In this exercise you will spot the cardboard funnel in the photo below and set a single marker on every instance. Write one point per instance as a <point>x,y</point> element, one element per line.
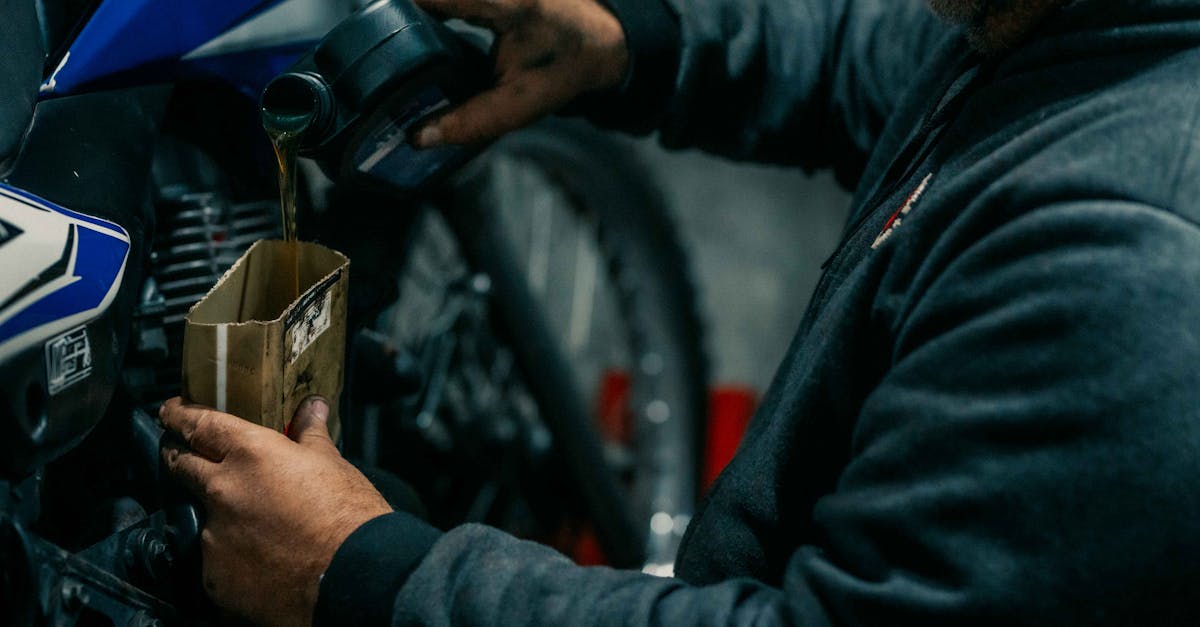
<point>252,350</point>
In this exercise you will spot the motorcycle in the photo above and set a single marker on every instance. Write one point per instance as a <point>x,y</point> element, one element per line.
<point>524,348</point>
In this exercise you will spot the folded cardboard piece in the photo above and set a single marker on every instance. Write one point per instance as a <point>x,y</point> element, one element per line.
<point>252,350</point>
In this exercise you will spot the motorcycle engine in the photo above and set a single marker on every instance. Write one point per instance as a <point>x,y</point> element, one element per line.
<point>201,232</point>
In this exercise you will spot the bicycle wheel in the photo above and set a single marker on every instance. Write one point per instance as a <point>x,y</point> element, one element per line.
<point>565,216</point>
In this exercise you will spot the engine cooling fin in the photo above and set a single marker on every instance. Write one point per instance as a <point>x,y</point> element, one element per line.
<point>200,235</point>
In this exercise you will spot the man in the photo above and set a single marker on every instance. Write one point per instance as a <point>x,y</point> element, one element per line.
<point>991,411</point>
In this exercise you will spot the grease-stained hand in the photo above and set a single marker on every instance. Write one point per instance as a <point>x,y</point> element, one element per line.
<point>547,53</point>
<point>277,508</point>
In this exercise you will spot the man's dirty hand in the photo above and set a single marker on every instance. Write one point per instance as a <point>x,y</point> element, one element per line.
<point>547,53</point>
<point>277,507</point>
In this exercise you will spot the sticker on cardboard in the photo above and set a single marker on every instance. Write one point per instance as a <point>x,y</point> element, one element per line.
<point>311,317</point>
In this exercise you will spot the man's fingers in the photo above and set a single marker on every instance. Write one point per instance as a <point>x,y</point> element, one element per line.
<point>206,431</point>
<point>192,470</point>
<point>310,426</point>
<point>507,107</point>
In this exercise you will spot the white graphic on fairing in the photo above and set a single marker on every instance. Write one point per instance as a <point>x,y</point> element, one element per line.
<point>40,258</point>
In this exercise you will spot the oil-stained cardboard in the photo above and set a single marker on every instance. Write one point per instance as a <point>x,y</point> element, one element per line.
<point>251,350</point>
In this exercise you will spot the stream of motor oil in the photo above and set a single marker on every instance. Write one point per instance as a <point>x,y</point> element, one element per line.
<point>285,132</point>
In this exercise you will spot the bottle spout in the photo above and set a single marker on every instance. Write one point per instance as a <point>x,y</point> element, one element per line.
<point>297,103</point>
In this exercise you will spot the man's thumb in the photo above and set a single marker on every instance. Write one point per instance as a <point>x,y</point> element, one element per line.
<point>309,426</point>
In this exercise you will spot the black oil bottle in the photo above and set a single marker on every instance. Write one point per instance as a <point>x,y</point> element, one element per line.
<point>357,97</point>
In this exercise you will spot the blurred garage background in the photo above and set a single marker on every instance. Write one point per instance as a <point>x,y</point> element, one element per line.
<point>757,236</point>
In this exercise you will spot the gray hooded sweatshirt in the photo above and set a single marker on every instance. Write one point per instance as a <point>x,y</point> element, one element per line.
<point>991,411</point>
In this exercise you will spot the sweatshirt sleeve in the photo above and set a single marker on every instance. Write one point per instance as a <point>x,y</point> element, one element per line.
<point>802,82</point>
<point>1029,459</point>
<point>369,567</point>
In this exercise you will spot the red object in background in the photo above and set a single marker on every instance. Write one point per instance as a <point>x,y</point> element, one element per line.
<point>587,549</point>
<point>613,413</point>
<point>614,417</point>
<point>729,411</point>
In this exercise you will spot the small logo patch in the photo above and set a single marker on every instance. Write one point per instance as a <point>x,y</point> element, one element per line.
<point>68,360</point>
<point>893,222</point>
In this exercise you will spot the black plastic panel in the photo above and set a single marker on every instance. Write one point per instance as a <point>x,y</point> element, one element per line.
<point>89,153</point>
<point>20,72</point>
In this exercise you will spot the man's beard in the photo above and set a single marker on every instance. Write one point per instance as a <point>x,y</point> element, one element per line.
<point>995,25</point>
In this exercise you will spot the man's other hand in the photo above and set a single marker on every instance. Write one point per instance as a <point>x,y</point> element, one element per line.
<point>277,508</point>
<point>547,52</point>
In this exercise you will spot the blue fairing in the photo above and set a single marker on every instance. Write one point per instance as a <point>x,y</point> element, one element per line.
<point>141,41</point>
<point>58,268</point>
<point>100,260</point>
<point>248,71</point>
